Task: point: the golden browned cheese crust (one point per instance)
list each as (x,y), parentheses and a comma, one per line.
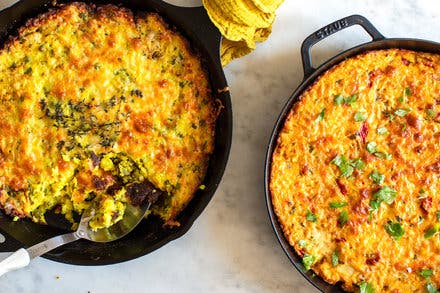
(355,173)
(94,98)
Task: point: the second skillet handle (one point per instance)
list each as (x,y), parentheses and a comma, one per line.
(329,30)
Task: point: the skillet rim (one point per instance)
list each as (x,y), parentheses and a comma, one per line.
(205,41)
(385,43)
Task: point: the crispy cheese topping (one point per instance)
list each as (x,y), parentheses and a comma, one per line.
(373,166)
(93,99)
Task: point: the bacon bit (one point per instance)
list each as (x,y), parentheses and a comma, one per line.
(304,170)
(301,252)
(373,75)
(373,259)
(428,63)
(341,186)
(99,183)
(339,240)
(426,204)
(419,149)
(406,61)
(95,159)
(390,70)
(18,184)
(361,208)
(363,132)
(163,83)
(418,137)
(406,133)
(365,193)
(396,175)
(414,121)
(435,167)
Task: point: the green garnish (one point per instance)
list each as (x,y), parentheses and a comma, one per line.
(382,130)
(374,205)
(438,215)
(404,126)
(426,273)
(432,231)
(422,193)
(371,147)
(338,100)
(28,71)
(347,166)
(386,194)
(335,258)
(395,230)
(431,113)
(337,204)
(366,287)
(358,164)
(321,115)
(377,177)
(311,217)
(351,99)
(408,91)
(344,165)
(308,260)
(343,218)
(431,288)
(360,117)
(383,155)
(401,112)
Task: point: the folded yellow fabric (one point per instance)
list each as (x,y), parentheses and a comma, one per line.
(242,23)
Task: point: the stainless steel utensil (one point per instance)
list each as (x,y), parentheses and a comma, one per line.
(132,217)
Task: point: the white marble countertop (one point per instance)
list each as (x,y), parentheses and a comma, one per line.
(231,247)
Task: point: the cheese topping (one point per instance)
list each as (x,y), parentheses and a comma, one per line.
(355,173)
(94,99)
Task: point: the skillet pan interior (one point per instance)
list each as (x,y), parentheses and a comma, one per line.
(204,38)
(310,75)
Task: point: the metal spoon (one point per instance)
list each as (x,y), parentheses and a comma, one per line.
(132,217)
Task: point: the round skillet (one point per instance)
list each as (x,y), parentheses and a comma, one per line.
(310,75)
(194,24)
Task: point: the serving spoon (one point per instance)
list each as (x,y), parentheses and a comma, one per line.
(134,213)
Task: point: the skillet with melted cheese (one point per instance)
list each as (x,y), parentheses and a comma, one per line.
(355,173)
(94,100)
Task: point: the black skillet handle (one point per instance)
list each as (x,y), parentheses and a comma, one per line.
(329,30)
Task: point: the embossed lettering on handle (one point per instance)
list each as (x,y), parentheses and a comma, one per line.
(332,28)
(329,30)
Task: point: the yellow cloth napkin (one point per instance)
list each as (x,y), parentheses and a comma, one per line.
(242,23)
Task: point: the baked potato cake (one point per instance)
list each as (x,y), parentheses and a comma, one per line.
(94,101)
(354,177)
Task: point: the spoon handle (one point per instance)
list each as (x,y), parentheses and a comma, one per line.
(22,257)
(17,260)
(51,243)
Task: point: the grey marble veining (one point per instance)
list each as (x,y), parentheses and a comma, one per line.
(231,247)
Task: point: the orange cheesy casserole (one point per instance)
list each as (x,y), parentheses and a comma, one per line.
(94,101)
(355,173)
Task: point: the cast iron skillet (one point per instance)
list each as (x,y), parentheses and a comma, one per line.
(195,25)
(310,75)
